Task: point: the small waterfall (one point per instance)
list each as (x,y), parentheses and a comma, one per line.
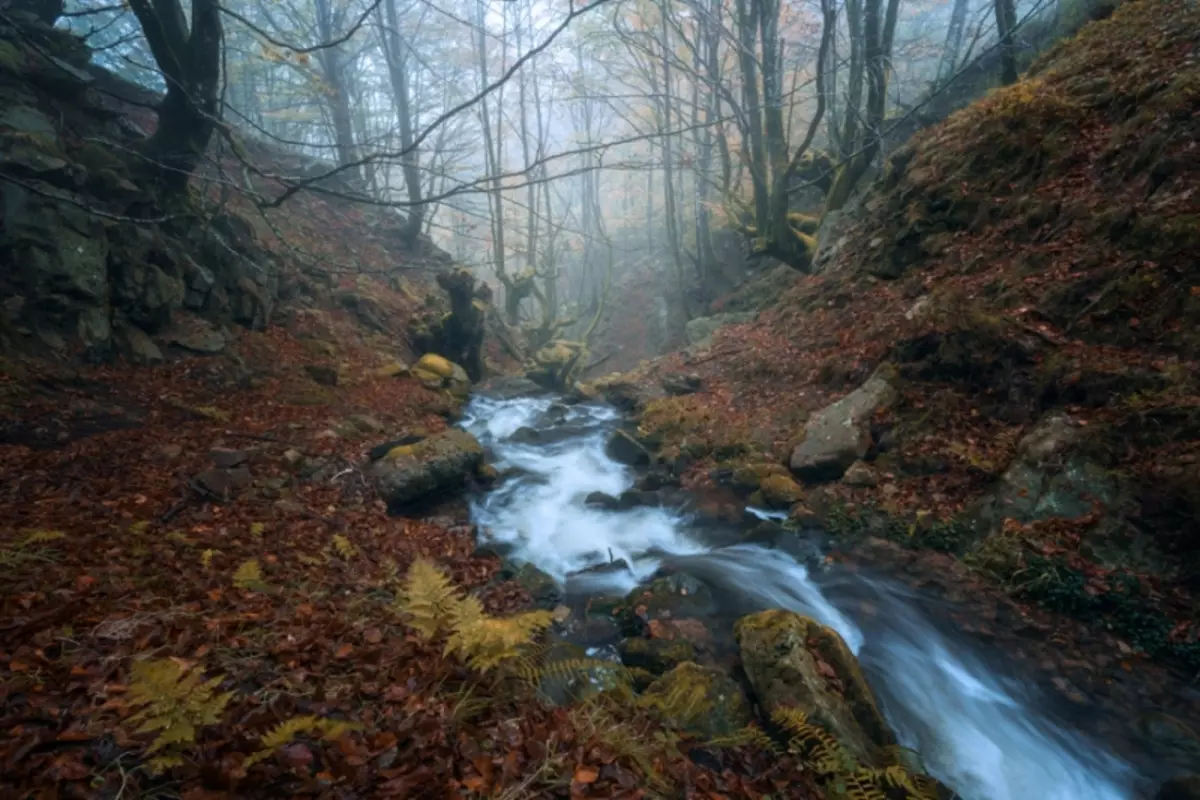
(978,732)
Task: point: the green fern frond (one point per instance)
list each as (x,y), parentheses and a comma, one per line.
(428,598)
(485,642)
(174,700)
(249,576)
(344,547)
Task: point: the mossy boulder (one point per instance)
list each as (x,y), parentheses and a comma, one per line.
(700,700)
(412,472)
(437,365)
(780,491)
(792,661)
(748,478)
(544,590)
(671,597)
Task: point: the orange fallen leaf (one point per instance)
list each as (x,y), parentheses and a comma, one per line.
(344,651)
(586,775)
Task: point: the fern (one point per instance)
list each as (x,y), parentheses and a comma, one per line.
(249,576)
(41,537)
(820,750)
(428,598)
(749,736)
(485,642)
(285,732)
(257,529)
(206,558)
(176,701)
(344,547)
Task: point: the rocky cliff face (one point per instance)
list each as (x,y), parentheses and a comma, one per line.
(91,268)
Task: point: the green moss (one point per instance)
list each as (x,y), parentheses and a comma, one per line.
(11,58)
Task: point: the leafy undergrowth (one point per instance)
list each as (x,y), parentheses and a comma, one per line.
(1034,252)
(165,635)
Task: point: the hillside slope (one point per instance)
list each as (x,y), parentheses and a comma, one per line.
(1029,270)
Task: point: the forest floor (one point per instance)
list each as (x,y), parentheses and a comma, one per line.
(135,498)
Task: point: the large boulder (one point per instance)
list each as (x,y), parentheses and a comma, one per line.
(413,472)
(839,434)
(792,661)
(700,330)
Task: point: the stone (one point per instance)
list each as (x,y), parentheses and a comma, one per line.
(682,384)
(749,477)
(860,475)
(677,595)
(544,590)
(624,449)
(226,458)
(602,501)
(430,467)
(656,655)
(380,450)
(323,374)
(437,365)
(792,661)
(396,369)
(1182,787)
(700,330)
(780,491)
(137,345)
(839,434)
(293,457)
(198,337)
(705,700)
(223,482)
(509,387)
(145,293)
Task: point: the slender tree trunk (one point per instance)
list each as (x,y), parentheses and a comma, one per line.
(1006,22)
(747,23)
(333,66)
(396,55)
(954,40)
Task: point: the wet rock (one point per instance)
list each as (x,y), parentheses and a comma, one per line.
(487,474)
(602,501)
(624,449)
(656,655)
(608,567)
(616,390)
(323,374)
(1184,787)
(509,387)
(700,330)
(570,684)
(676,595)
(700,700)
(860,475)
(838,435)
(493,548)
(682,384)
(544,590)
(590,631)
(526,435)
(419,471)
(792,661)
(636,498)
(226,458)
(654,481)
(774,536)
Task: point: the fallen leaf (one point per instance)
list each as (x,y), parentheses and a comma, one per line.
(586,775)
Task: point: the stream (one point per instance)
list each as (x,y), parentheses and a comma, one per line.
(987,734)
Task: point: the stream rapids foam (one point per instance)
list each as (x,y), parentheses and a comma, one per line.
(980,732)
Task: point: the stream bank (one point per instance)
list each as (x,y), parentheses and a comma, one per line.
(654,577)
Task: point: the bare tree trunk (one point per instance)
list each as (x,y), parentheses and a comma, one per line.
(333,65)
(954,40)
(190,62)
(664,118)
(1006,22)
(747,23)
(396,56)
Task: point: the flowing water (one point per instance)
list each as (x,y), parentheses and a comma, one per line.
(987,735)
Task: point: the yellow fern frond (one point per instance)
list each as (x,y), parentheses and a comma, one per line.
(41,537)
(174,700)
(257,529)
(206,558)
(749,736)
(249,575)
(819,748)
(485,642)
(428,598)
(285,732)
(344,547)
(861,785)
(160,764)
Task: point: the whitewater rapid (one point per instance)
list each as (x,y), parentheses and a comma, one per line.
(981,733)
